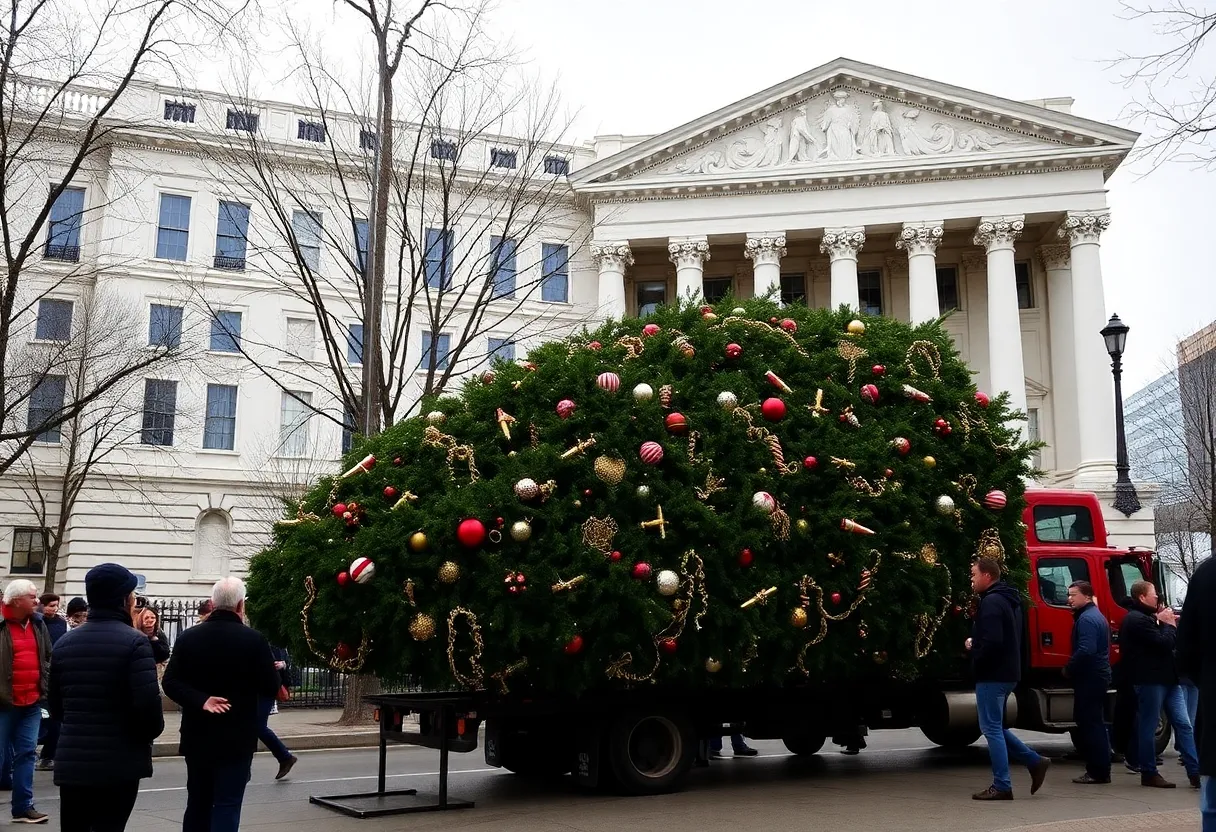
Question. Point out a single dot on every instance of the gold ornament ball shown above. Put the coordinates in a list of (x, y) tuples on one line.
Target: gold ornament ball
[(712, 665), (798, 617), (449, 572), (856, 327), (578, 503), (521, 530), (803, 526), (418, 542), (930, 462), (422, 627), (436, 417)]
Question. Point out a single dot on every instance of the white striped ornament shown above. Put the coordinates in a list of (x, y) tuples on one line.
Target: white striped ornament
[(609, 381), (995, 500)]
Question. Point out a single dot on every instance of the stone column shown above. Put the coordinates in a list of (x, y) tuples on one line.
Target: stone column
[(765, 250), (1094, 384), (612, 259), (1055, 261), (689, 254), (1005, 366), (842, 245), (920, 240), (975, 273)]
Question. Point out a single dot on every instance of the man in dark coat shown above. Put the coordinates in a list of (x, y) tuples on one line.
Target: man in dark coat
[(996, 657), (1197, 659), (1147, 639), (56, 627), (217, 673), (104, 692), (1089, 670)]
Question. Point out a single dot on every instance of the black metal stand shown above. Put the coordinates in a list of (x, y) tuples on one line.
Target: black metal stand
[(402, 801)]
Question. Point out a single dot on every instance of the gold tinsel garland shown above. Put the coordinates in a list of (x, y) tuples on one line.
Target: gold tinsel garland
[(929, 353), (351, 665), (851, 353), (501, 676), (928, 625), (760, 434), (456, 452), (808, 585), (598, 533), (761, 326), (476, 679)]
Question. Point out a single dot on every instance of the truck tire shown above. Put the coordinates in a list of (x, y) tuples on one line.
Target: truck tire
[(952, 738), (650, 752), (804, 745)]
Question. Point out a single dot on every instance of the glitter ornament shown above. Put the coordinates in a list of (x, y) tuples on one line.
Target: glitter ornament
[(930, 462), (521, 530), (944, 504), (789, 325), (422, 627), (727, 400), (449, 572), (869, 393), (878, 370), (595, 346), (810, 462), (856, 327), (641, 571), (799, 618), (651, 330), (667, 582), (527, 489), (565, 408), (901, 445), (435, 417), (982, 399), (764, 501), (643, 491), (339, 509), (643, 392), (738, 310)]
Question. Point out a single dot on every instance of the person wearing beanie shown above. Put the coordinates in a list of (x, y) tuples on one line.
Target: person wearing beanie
[(77, 612), (105, 741)]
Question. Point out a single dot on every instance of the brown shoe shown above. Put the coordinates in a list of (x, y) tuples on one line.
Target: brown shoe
[(992, 793), (1038, 773), (286, 766), (1156, 781), (1196, 783)]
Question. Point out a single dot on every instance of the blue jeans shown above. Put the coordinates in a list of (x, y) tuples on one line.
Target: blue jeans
[(736, 742), (267, 736), (1003, 745), (1152, 699), (1207, 803), (19, 731), (1190, 695), (214, 793)]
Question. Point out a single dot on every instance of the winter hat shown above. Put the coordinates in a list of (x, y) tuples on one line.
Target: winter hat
[(77, 605), (108, 585)]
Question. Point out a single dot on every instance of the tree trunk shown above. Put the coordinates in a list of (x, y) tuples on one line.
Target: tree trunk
[(354, 710)]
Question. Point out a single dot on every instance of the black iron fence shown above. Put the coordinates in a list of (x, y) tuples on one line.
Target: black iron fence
[(312, 686)]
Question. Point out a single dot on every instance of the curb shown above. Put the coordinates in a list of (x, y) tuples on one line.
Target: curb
[(303, 742)]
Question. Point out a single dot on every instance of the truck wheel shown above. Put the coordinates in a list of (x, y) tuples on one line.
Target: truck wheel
[(952, 738), (650, 753), (804, 745)]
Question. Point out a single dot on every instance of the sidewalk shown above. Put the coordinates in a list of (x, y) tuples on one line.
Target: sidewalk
[(1182, 821), (301, 728)]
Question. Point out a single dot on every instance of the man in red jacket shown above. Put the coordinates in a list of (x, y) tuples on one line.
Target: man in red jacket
[(25, 660)]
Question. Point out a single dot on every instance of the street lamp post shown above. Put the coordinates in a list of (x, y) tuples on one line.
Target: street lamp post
[(1126, 500)]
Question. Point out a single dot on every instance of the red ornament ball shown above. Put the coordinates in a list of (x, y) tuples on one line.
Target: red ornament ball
[(733, 350), (349, 517), (344, 652), (746, 557), (835, 597), (565, 409), (810, 462), (339, 509), (773, 320), (878, 370), (651, 329), (343, 578), (396, 460), (641, 571), (982, 399), (574, 646), (706, 310), (594, 345), (609, 382), (587, 492), (995, 500), (869, 393), (789, 325), (651, 453), (389, 492), (773, 409), (901, 445), (615, 556), (668, 646), (888, 473), (676, 424), (500, 521), (471, 533)]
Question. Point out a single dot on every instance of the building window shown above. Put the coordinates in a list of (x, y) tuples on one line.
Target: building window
[(361, 243), (1032, 434), (219, 429), (46, 403), (63, 227), (438, 259), (500, 158), (173, 229), (1021, 274), (301, 338), (502, 272), (443, 345), (443, 150), (555, 278), (503, 348), (242, 120), (160, 411), (54, 320), (165, 326), (947, 288), (354, 343), (294, 413), (231, 236), (310, 131), (348, 430), (716, 288), (869, 291), (212, 543), (793, 289), (368, 140), (306, 226), (558, 165), (29, 551), (651, 295), (179, 111), (226, 331)]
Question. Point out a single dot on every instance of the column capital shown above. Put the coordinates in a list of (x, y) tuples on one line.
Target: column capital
[(1084, 226), (842, 243), (996, 233), (1054, 256), (765, 247), (688, 252), (920, 237), (613, 256)]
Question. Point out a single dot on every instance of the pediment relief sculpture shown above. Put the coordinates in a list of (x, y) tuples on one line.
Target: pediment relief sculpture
[(845, 126)]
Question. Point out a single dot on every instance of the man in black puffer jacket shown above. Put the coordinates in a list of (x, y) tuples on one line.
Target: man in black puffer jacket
[(103, 689)]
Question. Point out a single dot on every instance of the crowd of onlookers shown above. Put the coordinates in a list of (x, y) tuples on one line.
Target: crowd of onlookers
[(88, 684)]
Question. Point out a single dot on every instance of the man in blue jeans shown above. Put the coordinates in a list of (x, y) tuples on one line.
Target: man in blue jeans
[(25, 661), (1196, 647), (1147, 637), (996, 657)]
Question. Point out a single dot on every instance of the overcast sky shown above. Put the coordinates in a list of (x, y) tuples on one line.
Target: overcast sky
[(645, 66)]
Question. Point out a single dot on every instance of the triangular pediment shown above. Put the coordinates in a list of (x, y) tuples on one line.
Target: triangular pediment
[(847, 119)]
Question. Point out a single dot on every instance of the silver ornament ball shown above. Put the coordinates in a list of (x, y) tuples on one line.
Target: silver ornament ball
[(643, 392), (668, 582), (435, 417), (520, 531), (727, 400), (944, 504), (643, 491)]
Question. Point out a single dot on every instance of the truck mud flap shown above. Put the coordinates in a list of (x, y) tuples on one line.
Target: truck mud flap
[(587, 756), (492, 739)]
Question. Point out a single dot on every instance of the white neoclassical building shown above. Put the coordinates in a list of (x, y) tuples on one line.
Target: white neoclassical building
[(850, 184)]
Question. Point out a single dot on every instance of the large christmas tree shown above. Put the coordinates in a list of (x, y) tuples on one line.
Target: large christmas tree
[(730, 496)]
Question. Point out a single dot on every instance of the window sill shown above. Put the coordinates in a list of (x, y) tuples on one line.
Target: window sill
[(219, 353), (46, 443), (51, 342), (556, 302), (218, 452), (168, 261)]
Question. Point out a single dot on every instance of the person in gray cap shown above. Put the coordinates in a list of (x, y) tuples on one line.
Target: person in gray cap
[(105, 740)]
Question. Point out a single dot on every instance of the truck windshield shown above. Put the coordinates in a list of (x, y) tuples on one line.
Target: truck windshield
[(1122, 573), (1063, 524)]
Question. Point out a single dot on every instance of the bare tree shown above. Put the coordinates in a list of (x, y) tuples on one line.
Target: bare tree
[(65, 75), (1174, 95)]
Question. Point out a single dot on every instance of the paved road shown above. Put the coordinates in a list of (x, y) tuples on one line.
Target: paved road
[(900, 782)]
